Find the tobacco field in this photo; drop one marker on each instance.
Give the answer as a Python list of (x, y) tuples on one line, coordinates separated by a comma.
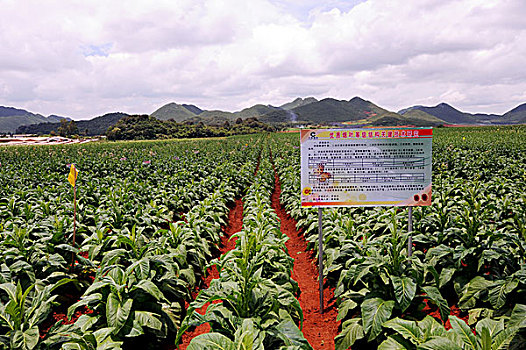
[(202, 244)]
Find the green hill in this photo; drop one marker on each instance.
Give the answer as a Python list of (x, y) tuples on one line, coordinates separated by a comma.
[(331, 110), (174, 111), (327, 110), (298, 102), (12, 118), (254, 111), (446, 113), (217, 117), (417, 114), (451, 115), (395, 119), (92, 127), (516, 115)]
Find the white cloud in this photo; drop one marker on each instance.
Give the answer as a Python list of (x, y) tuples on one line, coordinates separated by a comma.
[(85, 58)]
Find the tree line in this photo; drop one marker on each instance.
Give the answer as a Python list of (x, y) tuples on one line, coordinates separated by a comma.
[(144, 127)]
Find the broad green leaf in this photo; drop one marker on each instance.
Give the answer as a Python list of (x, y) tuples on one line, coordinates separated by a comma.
[(117, 275), (434, 295), (117, 313), (392, 344), (375, 312), (352, 330), (148, 319), (291, 335), (103, 336), (407, 329), (364, 270), (25, 340), (404, 290), (141, 268), (431, 328), (247, 336), (150, 288), (464, 332), (84, 322), (493, 326), (211, 341), (60, 283), (10, 289), (135, 330), (111, 256), (484, 339), (440, 343), (445, 276), (503, 338), (95, 286), (476, 286), (518, 316), (478, 314), (498, 292), (345, 306)]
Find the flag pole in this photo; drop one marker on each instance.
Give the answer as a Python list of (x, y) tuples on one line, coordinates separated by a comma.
[(74, 213), (320, 256), (72, 178)]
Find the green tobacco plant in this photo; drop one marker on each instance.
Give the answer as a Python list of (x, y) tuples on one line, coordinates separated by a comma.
[(382, 283), (24, 311), (254, 285), (127, 302), (429, 334)]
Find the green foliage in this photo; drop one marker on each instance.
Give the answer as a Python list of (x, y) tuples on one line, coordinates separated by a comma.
[(67, 129), (143, 127), (468, 246), (149, 218), (254, 284)]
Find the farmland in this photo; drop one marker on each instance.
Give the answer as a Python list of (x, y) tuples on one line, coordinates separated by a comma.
[(153, 264)]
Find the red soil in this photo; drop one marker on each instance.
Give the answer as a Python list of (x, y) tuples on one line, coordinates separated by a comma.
[(319, 329), (62, 317), (235, 223), (433, 311)]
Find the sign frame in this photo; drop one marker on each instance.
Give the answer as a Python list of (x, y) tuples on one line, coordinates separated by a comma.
[(366, 167)]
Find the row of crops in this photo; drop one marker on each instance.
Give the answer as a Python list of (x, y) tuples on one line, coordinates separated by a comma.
[(149, 222), (258, 308), (465, 285)]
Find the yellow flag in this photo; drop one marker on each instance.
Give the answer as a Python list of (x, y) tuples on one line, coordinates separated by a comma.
[(72, 177)]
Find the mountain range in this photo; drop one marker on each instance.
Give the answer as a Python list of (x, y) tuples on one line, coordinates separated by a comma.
[(301, 111), (11, 118), (329, 111), (92, 127)]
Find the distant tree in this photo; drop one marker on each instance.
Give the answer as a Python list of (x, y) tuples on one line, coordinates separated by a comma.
[(145, 127), (63, 127), (239, 121), (114, 133), (67, 129)]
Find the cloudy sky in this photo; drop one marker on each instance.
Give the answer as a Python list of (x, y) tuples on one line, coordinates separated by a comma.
[(85, 58)]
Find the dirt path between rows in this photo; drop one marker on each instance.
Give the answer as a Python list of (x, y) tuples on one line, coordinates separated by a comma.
[(318, 329), (235, 223)]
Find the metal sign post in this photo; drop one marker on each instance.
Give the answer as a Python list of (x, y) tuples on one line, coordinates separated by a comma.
[(320, 257), (410, 230), (365, 168)]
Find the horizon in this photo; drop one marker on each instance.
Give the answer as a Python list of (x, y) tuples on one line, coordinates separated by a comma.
[(271, 105), (81, 60)]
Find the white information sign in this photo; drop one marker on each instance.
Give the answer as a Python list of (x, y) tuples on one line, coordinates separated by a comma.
[(366, 167)]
